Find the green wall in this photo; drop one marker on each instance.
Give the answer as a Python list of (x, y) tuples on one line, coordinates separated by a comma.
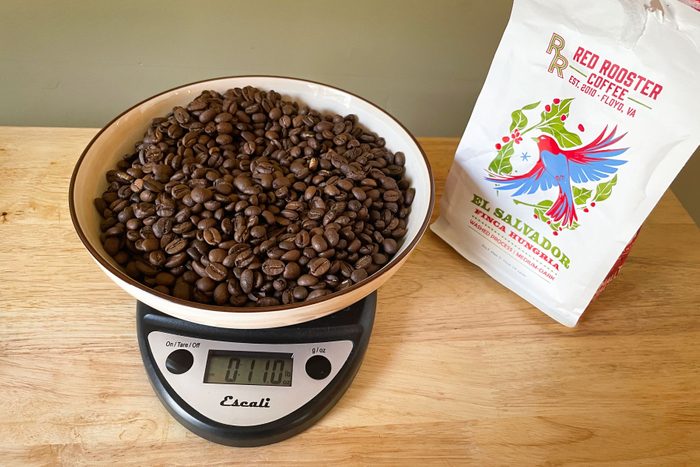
[(80, 62)]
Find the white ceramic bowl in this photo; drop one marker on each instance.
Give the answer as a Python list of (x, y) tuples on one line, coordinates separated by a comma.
[(119, 136)]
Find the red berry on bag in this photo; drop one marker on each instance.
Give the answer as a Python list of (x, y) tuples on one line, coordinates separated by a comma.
[(593, 204), (563, 117), (581, 128), (555, 233), (505, 139), (547, 108), (585, 209), (535, 216), (556, 101), (498, 146)]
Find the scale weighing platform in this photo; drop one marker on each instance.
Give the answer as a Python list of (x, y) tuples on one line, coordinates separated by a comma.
[(251, 387)]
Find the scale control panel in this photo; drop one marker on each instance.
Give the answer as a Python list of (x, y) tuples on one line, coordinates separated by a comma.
[(246, 384)]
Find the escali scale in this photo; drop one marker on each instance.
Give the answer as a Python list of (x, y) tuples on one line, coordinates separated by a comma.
[(248, 376), (251, 387)]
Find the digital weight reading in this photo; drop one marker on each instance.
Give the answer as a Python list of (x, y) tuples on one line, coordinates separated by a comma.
[(250, 368)]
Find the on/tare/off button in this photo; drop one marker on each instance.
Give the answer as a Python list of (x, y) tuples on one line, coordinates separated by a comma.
[(318, 367), (179, 361)]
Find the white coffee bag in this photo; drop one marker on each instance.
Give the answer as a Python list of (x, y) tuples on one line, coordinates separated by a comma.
[(589, 111)]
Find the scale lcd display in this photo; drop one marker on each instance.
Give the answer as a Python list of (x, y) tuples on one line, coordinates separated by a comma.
[(252, 368)]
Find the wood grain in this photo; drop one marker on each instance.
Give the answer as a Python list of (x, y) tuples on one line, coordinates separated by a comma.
[(459, 369)]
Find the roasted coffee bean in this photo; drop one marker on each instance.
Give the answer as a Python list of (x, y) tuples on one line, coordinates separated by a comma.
[(245, 198), (212, 236), (319, 266), (358, 275), (176, 260), (217, 255), (111, 245), (390, 246), (165, 278), (267, 301), (273, 267), (216, 271), (201, 195), (317, 293), (244, 258), (391, 196), (221, 295), (300, 293), (319, 243), (292, 271), (307, 280), (157, 258), (176, 246), (332, 237), (363, 262), (149, 244), (247, 281), (205, 284)]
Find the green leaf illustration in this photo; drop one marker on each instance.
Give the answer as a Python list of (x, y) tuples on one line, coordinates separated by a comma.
[(501, 164), (541, 208), (604, 189), (581, 195), (564, 137), (519, 120), (556, 111)]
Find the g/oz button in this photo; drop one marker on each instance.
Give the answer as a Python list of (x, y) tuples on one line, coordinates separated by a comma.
[(318, 367)]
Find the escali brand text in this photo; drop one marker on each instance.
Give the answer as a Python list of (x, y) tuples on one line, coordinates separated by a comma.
[(230, 401)]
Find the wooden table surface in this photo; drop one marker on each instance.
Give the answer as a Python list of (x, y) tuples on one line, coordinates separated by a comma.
[(459, 369)]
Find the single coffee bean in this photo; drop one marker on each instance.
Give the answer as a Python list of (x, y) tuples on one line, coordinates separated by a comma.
[(176, 246), (165, 278), (319, 243), (221, 295), (176, 260), (292, 271), (247, 280), (358, 275), (212, 236), (273, 267), (157, 258), (217, 255), (182, 289), (216, 271), (307, 280), (300, 293), (267, 301), (319, 266), (332, 236), (390, 246), (391, 196), (318, 293), (201, 195), (111, 245), (205, 284), (363, 262)]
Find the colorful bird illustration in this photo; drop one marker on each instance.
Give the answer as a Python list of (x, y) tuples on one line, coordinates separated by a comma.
[(559, 167)]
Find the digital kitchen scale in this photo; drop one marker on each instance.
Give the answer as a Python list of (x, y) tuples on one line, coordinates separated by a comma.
[(255, 386)]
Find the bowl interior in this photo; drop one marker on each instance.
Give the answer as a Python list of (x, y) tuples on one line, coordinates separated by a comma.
[(118, 138)]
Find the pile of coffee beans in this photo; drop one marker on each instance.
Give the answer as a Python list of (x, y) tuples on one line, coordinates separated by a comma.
[(245, 198)]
